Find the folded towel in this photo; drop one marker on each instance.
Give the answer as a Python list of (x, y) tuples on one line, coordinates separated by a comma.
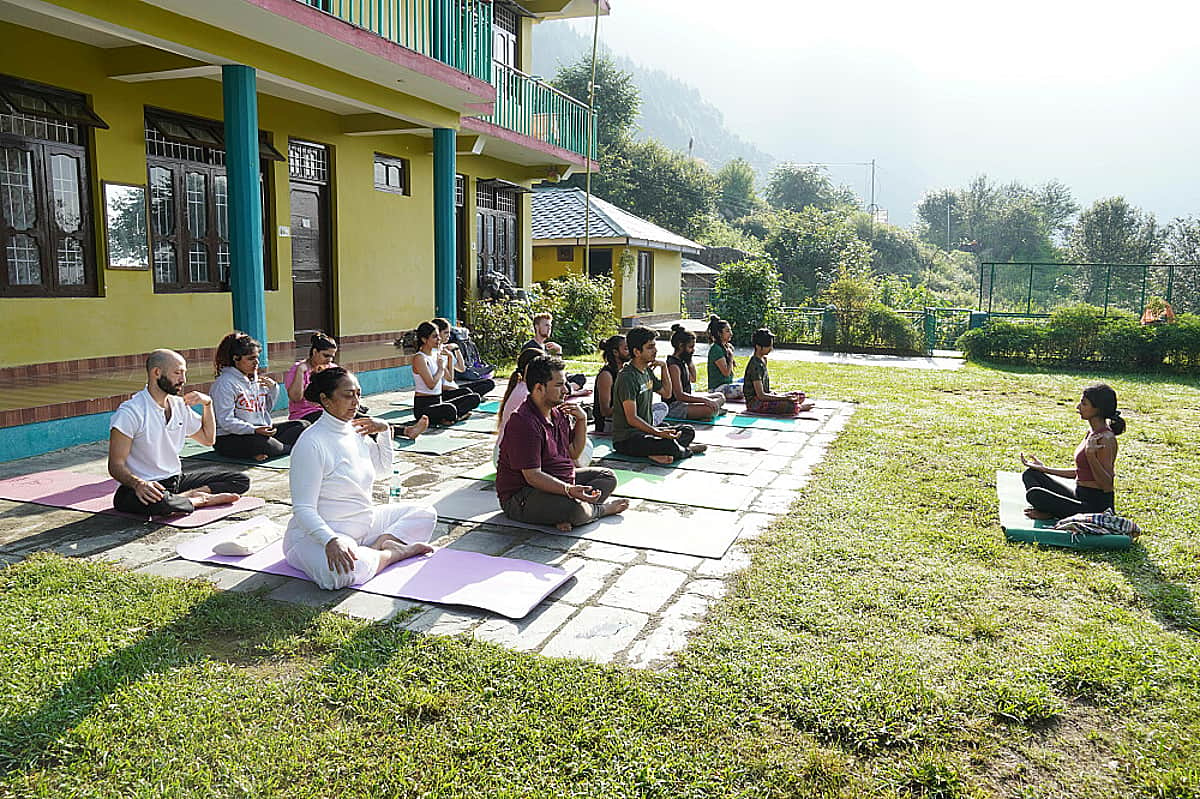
[(251, 539)]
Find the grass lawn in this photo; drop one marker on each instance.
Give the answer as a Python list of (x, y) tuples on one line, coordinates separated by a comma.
[(885, 641)]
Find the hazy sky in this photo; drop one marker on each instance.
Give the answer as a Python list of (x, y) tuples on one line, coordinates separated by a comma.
[(1100, 97)]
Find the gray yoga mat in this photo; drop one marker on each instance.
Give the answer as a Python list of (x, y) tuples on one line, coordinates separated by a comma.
[(435, 443), (717, 460), (701, 532)]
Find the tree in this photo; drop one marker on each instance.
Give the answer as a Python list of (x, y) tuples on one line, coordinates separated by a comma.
[(894, 251), (746, 294), (792, 187), (1181, 245), (812, 246), (617, 99), (665, 187), (737, 196), (1111, 231), (935, 210)]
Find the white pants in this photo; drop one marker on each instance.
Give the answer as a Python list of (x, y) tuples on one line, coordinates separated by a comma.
[(409, 523)]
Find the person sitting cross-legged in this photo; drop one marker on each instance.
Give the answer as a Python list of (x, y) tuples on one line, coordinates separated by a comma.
[(633, 401), (536, 478), (337, 535), (146, 434)]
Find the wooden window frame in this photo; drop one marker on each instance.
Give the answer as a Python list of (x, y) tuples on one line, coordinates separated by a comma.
[(394, 162)]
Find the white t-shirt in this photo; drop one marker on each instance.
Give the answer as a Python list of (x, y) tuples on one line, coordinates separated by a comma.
[(156, 442)]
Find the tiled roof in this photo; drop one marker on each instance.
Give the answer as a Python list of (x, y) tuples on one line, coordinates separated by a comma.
[(559, 214)]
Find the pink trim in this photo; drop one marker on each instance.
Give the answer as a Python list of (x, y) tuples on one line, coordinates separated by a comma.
[(375, 45), (528, 142)]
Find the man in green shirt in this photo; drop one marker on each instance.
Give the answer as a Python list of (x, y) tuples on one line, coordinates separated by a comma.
[(633, 400)]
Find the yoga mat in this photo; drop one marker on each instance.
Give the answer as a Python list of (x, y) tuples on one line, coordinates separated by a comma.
[(505, 586), (736, 437), (492, 406), (718, 461), (194, 449), (93, 494), (477, 424), (801, 424), (704, 533), (437, 443), (1019, 527), (696, 490)]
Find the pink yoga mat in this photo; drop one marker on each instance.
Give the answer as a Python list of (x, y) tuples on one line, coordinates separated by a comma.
[(505, 586), (93, 494)]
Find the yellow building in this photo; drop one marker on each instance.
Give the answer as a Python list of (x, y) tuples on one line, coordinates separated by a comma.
[(170, 169), (643, 258)]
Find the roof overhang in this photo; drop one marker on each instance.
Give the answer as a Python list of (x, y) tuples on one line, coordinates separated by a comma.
[(564, 9), (617, 241)]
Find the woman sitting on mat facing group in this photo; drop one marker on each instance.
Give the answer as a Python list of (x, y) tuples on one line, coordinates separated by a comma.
[(684, 404), (322, 350), (757, 382), (1095, 462), (242, 402), (337, 535), (432, 368), (721, 363)]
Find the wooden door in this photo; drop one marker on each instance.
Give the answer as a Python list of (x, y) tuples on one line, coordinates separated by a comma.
[(311, 295)]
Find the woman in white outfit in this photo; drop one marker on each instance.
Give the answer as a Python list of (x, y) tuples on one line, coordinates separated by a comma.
[(337, 535)]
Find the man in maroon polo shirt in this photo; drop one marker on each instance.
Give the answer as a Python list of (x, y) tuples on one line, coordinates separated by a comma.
[(536, 479)]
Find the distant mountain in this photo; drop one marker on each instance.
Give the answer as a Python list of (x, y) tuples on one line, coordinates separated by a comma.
[(672, 111)]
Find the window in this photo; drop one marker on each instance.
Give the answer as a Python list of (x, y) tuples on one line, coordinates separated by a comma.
[(505, 33), (391, 174), (645, 282), (189, 203), (566, 254), (46, 234)]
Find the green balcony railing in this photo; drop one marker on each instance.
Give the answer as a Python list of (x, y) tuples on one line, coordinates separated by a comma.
[(456, 32), (527, 105)]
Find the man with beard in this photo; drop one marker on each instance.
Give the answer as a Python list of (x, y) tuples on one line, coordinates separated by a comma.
[(146, 434)]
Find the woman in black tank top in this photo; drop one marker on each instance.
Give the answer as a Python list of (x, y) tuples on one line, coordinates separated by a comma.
[(616, 353)]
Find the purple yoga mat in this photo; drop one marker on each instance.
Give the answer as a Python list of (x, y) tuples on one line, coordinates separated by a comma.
[(93, 494), (505, 586)]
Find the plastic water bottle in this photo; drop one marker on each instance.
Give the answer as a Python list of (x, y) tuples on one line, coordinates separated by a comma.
[(394, 487)]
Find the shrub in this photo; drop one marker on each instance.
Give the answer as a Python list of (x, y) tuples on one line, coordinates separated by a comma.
[(746, 295), (1180, 341), (500, 327), (583, 311), (1124, 341), (1074, 331), (883, 327), (1000, 338), (853, 293)]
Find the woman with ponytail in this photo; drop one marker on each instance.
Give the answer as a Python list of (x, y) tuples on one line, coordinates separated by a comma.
[(1095, 461), (721, 363)]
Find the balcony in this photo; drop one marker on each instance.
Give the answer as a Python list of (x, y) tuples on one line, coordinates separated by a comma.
[(536, 109), (456, 32)]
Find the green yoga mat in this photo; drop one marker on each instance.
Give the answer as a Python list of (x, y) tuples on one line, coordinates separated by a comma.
[(1019, 527), (194, 449), (439, 443), (696, 491), (716, 460), (800, 424), (475, 424), (491, 406)]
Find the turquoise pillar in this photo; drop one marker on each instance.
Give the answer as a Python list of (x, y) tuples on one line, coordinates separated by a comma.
[(238, 86), (445, 292)]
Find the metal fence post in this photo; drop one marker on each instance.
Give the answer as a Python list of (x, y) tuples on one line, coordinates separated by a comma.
[(1107, 284), (1029, 294), (930, 323), (1145, 270), (829, 327)]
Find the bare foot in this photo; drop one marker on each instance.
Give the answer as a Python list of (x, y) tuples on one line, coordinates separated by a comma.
[(203, 500), (665, 460), (401, 551), (614, 506), (563, 527), (260, 458), (1033, 513), (806, 406), (414, 430), (696, 449)]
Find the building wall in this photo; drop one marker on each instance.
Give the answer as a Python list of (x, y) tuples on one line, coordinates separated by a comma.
[(667, 267), (381, 243)]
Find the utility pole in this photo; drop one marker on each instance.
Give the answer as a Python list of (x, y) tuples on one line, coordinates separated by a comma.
[(947, 224)]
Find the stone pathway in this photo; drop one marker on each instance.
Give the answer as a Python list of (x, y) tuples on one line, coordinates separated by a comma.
[(624, 605)]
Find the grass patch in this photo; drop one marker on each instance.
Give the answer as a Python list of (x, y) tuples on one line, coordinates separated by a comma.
[(885, 641)]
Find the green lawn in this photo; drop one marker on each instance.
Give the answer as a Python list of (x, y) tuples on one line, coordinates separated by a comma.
[(885, 641)]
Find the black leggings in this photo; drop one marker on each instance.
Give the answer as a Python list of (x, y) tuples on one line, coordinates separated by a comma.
[(447, 407), (252, 445), (218, 480), (644, 444), (1048, 495), (481, 387)]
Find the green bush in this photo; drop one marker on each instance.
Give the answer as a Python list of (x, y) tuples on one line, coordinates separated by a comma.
[(583, 311), (747, 295), (1125, 341), (500, 327), (1000, 338), (1073, 332), (883, 327), (1180, 341)]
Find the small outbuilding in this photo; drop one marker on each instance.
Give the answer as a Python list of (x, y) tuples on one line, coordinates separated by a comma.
[(644, 259)]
